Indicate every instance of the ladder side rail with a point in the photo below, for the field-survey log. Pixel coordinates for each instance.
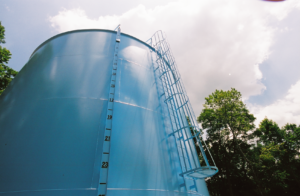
(180, 149)
(177, 125)
(192, 146)
(190, 109)
(164, 80)
(186, 131)
(166, 51)
(182, 114)
(170, 111)
(162, 44)
(193, 122)
(181, 152)
(173, 119)
(200, 143)
(169, 58)
(191, 150)
(165, 61)
(181, 121)
(177, 74)
(170, 94)
(190, 114)
(196, 162)
(184, 101)
(163, 112)
(193, 136)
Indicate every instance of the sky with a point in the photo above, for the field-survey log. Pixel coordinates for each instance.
(250, 45)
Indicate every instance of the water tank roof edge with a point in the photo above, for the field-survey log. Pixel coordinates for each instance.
(80, 30)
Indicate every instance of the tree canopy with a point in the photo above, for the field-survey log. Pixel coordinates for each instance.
(6, 73)
(251, 161)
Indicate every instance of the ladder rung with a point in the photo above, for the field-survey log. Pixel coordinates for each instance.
(171, 96)
(164, 73)
(182, 128)
(192, 137)
(156, 69)
(182, 105)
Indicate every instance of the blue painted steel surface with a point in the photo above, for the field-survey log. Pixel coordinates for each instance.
(53, 114)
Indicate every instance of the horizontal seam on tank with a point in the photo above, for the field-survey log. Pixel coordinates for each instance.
(69, 55)
(135, 63)
(15, 105)
(80, 55)
(135, 106)
(76, 189)
(124, 189)
(74, 98)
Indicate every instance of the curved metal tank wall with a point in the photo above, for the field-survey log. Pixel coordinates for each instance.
(52, 120)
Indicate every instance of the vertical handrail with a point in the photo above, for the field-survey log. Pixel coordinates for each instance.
(179, 107)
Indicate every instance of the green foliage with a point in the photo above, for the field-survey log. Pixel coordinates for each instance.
(278, 157)
(227, 121)
(262, 161)
(2, 33)
(268, 132)
(6, 73)
(225, 110)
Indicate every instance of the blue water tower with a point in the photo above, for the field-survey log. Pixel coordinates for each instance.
(100, 113)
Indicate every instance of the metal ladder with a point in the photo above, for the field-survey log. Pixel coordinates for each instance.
(184, 126)
(102, 189)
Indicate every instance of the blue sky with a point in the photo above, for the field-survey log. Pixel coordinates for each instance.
(251, 45)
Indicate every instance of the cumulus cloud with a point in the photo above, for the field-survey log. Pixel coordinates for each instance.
(217, 44)
(286, 110)
(67, 20)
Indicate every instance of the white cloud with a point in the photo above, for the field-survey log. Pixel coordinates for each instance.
(286, 110)
(67, 20)
(217, 44)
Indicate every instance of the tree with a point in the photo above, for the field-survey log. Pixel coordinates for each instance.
(278, 162)
(262, 161)
(229, 123)
(6, 73)
(270, 151)
(269, 132)
(290, 159)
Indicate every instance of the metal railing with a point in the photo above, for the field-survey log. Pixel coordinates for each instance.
(184, 126)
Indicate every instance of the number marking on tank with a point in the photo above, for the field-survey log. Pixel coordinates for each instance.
(102, 189)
